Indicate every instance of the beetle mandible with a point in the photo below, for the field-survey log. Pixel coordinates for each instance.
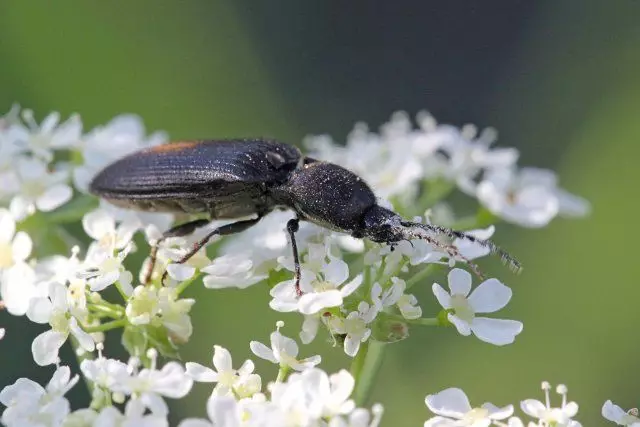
(229, 179)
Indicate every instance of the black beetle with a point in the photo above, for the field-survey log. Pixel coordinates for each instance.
(241, 177)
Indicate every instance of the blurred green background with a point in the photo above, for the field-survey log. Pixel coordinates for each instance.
(559, 80)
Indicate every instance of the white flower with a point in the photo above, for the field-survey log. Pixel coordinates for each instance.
(529, 197)
(283, 352)
(149, 385)
(322, 283)
(453, 409)
(123, 135)
(242, 382)
(133, 417)
(468, 153)
(548, 415)
(29, 404)
(81, 418)
(18, 286)
(101, 226)
(105, 373)
(39, 189)
(14, 247)
(613, 412)
(150, 305)
(235, 270)
(41, 140)
(223, 411)
(488, 297)
(2, 333)
(102, 267)
(360, 417)
(54, 310)
(407, 303)
(354, 327)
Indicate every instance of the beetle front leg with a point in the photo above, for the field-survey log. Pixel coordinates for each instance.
(225, 230)
(179, 230)
(293, 225)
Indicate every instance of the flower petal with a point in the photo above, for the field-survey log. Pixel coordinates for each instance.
(45, 347)
(21, 246)
(459, 282)
(496, 331)
(451, 402)
(491, 295)
(54, 197)
(201, 373)
(497, 413)
(314, 302)
(442, 296)
(262, 351)
(7, 226)
(463, 327)
(222, 359)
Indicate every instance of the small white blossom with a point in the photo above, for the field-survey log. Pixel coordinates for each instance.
(529, 197)
(453, 409)
(18, 286)
(241, 382)
(613, 412)
(150, 385)
(283, 352)
(54, 310)
(42, 139)
(14, 247)
(322, 283)
(102, 268)
(101, 227)
(39, 189)
(488, 297)
(552, 416)
(29, 404)
(394, 295)
(354, 327)
(105, 373)
(150, 305)
(134, 416)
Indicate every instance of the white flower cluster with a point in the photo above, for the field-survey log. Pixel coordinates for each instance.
(396, 162)
(452, 408)
(356, 291)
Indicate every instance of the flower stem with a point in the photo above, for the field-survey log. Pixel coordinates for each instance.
(282, 374)
(114, 324)
(365, 368)
(422, 274)
(184, 285)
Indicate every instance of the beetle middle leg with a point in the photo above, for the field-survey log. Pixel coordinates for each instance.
(179, 230)
(225, 230)
(293, 225)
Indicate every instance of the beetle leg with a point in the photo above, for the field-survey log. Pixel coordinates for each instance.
(225, 230)
(293, 225)
(179, 230)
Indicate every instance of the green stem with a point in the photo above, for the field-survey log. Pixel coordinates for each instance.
(184, 285)
(365, 368)
(424, 321)
(106, 311)
(282, 374)
(107, 326)
(422, 274)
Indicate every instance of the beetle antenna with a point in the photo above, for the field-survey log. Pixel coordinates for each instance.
(506, 258)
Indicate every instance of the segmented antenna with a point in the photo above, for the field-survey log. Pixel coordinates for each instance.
(505, 257)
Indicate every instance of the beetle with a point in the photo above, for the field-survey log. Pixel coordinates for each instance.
(234, 178)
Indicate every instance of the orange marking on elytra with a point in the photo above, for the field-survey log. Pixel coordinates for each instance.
(173, 146)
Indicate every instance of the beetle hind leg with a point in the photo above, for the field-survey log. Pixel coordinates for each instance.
(179, 230)
(225, 230)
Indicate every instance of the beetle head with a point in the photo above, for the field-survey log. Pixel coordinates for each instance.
(383, 226)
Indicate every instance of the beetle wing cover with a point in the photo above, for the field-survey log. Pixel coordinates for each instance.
(196, 169)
